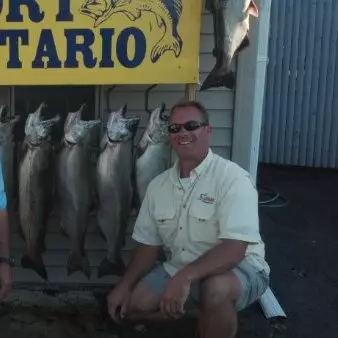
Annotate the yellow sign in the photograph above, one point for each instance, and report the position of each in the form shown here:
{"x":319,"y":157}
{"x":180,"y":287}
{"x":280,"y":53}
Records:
{"x":45,"y":42}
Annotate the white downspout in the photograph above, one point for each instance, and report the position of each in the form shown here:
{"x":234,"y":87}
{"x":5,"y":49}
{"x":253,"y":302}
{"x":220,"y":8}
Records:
{"x":250,"y":90}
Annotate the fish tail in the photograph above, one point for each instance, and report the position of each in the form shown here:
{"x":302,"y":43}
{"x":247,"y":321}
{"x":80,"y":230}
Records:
{"x":36,"y":264}
{"x":167,"y":43}
{"x":78,"y":262}
{"x":216,"y":79}
{"x":111,"y":268}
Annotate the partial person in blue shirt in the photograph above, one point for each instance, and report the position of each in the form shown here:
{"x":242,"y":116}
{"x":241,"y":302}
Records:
{"x":5,"y":260}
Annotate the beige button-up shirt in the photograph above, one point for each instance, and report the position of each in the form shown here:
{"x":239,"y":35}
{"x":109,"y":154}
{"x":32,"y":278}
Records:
{"x":221,"y":203}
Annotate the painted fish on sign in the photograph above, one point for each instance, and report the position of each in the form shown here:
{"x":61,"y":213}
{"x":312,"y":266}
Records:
{"x":97,"y":34}
{"x":46,"y":48}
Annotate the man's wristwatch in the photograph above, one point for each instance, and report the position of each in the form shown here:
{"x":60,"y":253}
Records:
{"x":7,"y":260}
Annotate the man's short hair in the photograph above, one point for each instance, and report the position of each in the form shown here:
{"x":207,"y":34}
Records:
{"x":195,"y":104}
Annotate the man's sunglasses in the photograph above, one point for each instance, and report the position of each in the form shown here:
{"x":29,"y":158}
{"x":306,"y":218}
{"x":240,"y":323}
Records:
{"x":188,"y":126}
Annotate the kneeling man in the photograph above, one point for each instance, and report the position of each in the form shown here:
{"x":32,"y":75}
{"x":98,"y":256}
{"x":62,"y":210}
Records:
{"x":204,"y":213}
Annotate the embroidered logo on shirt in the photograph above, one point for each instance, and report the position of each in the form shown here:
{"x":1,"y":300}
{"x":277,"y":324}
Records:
{"x":205,"y":198}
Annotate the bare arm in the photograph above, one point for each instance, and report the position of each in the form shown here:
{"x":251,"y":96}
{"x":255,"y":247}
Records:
{"x":142,"y":261}
{"x":220,"y":259}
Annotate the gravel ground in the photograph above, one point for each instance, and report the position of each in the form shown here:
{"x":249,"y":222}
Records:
{"x":302,"y":249}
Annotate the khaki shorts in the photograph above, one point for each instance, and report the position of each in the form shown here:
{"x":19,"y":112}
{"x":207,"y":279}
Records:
{"x":253,"y":283}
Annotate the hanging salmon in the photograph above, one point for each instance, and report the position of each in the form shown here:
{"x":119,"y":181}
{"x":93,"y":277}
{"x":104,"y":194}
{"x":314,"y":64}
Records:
{"x":153,"y":152}
{"x":231,"y":28}
{"x":74,"y":188}
{"x":115,"y":191}
{"x":35,"y":188}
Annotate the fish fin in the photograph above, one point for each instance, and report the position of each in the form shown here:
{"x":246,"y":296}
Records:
{"x":109,"y":268}
{"x":78,"y":262}
{"x":216,"y":79}
{"x":253,"y":9}
{"x":178,"y":7}
{"x":244,"y":44}
{"x":35,"y":264}
{"x":168,"y":42}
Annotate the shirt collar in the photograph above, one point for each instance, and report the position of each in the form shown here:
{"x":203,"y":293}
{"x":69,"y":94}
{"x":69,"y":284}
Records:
{"x":196,"y":172}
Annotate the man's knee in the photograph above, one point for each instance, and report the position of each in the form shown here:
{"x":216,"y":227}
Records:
{"x":219,"y":290}
{"x":143,"y":299}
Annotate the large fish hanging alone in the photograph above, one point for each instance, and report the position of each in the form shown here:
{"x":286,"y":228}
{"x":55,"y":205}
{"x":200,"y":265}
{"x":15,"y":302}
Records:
{"x":153,"y":152}
{"x":114,"y":170}
{"x":231,"y":28}
{"x":74,"y":188}
{"x":7,"y":151}
{"x":35,"y":188}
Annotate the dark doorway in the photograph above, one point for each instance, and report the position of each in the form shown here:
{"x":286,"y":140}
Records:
{"x":59,"y":99}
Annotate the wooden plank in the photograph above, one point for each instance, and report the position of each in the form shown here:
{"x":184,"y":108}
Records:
{"x":55,"y":241}
{"x":5,"y":95}
{"x":58,"y":275}
{"x":58,"y":258}
{"x":190,"y":92}
{"x":136,"y":100}
{"x":163,"y":88}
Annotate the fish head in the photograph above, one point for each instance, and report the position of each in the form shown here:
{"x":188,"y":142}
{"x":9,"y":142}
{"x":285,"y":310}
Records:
{"x":116,"y":115}
{"x":237,"y":25}
{"x":76,"y":129}
{"x":99,"y":10}
{"x":157,"y":129}
{"x":37,"y":130}
{"x":71,"y":119}
{"x":3,"y":113}
{"x":6,"y":120}
{"x":79,"y":131}
{"x":121,"y":128}
{"x":7,"y":123}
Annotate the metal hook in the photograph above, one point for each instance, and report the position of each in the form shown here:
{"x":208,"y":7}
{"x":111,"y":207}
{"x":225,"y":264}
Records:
{"x":147,"y":98}
{"x":109,"y":90}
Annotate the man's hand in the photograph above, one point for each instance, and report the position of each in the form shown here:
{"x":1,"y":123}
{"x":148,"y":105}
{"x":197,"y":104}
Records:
{"x":175,"y":296}
{"x":5,"y":281}
{"x":118,"y":302}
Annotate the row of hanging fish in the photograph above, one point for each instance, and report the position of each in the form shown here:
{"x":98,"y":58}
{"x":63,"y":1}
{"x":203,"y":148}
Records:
{"x":231,"y":19}
{"x":122,"y":172}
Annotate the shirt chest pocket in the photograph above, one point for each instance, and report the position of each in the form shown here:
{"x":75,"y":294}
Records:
{"x":203,"y":225}
{"x":166,"y":221}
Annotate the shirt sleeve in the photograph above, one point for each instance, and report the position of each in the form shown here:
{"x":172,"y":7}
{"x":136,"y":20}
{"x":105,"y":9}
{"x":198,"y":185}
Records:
{"x":238,"y":212}
{"x":145,"y":229}
{"x":3,"y":197}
